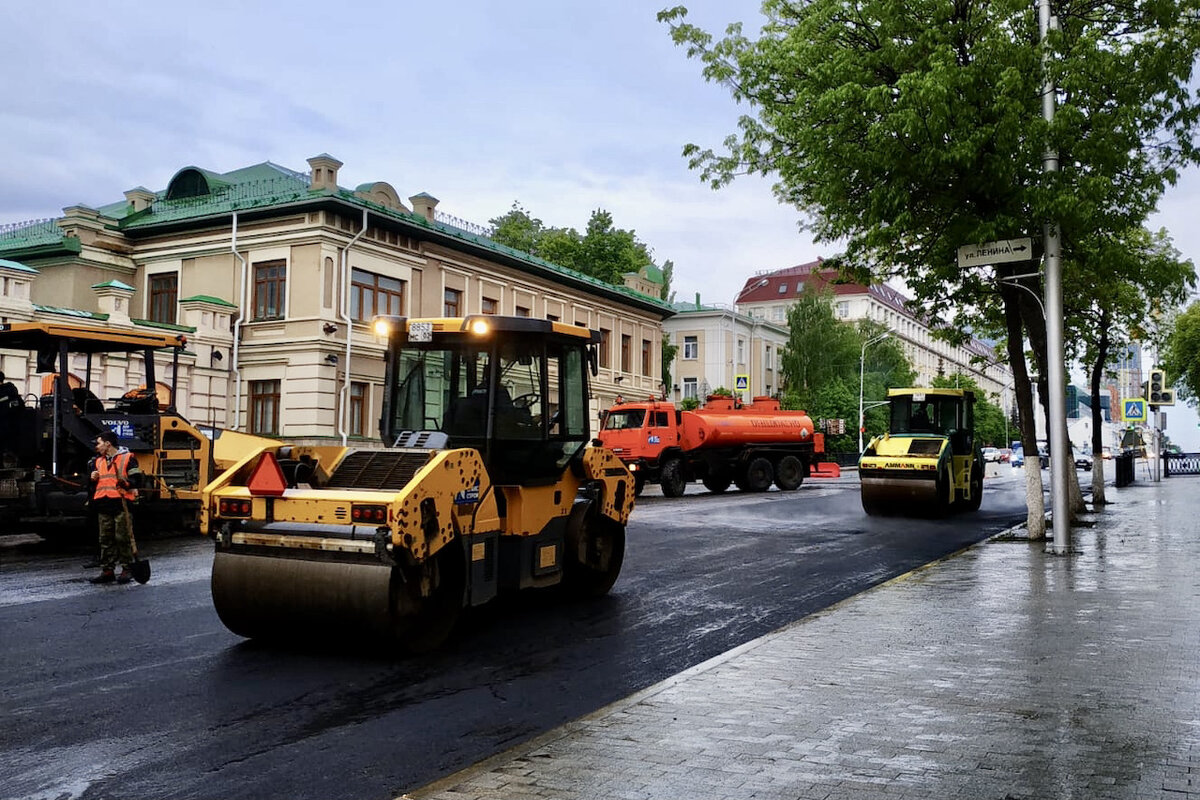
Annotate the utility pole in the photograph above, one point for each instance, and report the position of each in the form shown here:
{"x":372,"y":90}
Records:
{"x":1060,"y":457}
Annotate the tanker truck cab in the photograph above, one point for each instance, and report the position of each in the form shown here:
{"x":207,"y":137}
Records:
{"x":639,"y":434}
{"x":928,"y":461}
{"x":487,"y":483}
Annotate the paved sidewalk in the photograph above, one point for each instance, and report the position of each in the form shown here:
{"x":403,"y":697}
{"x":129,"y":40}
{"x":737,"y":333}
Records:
{"x":1002,"y":672}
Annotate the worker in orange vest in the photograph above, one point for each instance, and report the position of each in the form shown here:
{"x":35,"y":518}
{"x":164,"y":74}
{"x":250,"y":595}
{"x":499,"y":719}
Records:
{"x":117,"y":477}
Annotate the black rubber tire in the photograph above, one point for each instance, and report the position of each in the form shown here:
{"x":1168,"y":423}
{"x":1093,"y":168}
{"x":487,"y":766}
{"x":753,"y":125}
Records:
{"x":671,"y":479}
{"x":639,"y":483}
{"x":594,"y":557}
{"x":757,"y":475}
{"x":789,"y":473}
{"x":424,"y":623}
{"x":944,"y":498}
{"x":717,"y":483}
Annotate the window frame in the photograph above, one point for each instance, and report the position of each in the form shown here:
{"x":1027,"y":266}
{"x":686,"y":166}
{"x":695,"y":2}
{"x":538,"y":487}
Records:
{"x":163,"y":299}
{"x":265,"y":284}
{"x":359,"y":289}
{"x":265,"y":400}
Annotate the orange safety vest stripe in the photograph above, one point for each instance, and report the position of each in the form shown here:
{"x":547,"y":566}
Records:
{"x":110,"y":476}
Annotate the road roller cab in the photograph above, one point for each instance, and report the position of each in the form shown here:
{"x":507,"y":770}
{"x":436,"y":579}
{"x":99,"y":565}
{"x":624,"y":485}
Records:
{"x":928,"y":461}
{"x":487,"y":482}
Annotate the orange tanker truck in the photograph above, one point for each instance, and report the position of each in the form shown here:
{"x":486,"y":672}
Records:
{"x":751,"y":445}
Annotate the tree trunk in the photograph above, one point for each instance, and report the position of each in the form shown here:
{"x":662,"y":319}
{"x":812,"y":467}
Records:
{"x":1098,"y":498}
{"x":1035,"y":522}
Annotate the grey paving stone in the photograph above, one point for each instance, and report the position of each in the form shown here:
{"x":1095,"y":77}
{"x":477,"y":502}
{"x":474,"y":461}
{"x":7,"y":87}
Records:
{"x":1003,"y":672}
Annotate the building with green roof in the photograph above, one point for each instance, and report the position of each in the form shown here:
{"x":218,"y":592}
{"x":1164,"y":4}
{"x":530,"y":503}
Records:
{"x":274,"y":275}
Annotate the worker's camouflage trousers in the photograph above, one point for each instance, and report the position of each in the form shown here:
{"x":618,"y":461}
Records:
{"x":115,"y":543}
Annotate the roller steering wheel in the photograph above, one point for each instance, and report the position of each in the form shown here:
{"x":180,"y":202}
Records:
{"x":525,"y":400}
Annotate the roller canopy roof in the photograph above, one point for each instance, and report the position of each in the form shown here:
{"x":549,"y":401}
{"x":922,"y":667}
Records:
{"x":82,"y":338}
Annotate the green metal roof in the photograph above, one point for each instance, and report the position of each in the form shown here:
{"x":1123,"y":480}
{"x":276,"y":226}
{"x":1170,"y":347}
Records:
{"x":70,"y":312}
{"x":6,"y":264}
{"x":267,"y":186}
{"x":113,"y":284}
{"x":207,"y":298}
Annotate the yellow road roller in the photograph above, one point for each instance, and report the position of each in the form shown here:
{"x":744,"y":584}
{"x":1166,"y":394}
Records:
{"x":928,"y":462}
{"x":487,"y":482}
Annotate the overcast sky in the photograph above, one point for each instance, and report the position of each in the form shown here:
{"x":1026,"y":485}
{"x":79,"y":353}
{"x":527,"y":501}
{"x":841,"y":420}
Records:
{"x":563,"y":107}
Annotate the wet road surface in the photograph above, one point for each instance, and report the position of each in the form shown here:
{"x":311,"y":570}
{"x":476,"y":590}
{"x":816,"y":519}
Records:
{"x":139,"y":691}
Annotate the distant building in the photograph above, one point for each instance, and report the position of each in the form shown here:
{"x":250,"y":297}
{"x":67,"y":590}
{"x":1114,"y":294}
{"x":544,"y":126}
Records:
{"x":716,"y":346}
{"x":767,"y":297}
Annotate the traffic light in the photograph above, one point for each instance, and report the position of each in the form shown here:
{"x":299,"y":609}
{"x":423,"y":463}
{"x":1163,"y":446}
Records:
{"x":1157,"y":393}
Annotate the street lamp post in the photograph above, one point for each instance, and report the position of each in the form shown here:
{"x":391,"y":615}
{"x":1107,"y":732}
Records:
{"x":862,"y":364}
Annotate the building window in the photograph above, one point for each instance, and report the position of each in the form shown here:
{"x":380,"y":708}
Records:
{"x":767,"y":363}
{"x":488,"y":305}
{"x":626,"y":352}
{"x":358,"y":407}
{"x":552,"y":317}
{"x":164,"y":291}
{"x":777,"y":315}
{"x":270,"y":281}
{"x":691,"y":348}
{"x":741,"y":350}
{"x":783,"y":288}
{"x":453,"y":303}
{"x":691,"y":388}
{"x":605,"y":344}
{"x":843,"y":308}
{"x":521,"y":311}
{"x":264,"y":407}
{"x":646,"y":351}
{"x":372,"y":294}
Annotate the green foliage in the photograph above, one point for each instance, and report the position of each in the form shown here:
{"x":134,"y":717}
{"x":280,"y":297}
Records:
{"x":689,"y":403}
{"x":1181,"y":356}
{"x":603,"y":251}
{"x":906,"y":128}
{"x":668,"y":357}
{"x":721,"y":391}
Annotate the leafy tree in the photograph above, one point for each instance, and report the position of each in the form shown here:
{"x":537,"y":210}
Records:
{"x":824,"y":355}
{"x":669,"y":351}
{"x":907,"y":128}
{"x":1181,"y":356}
{"x":603,"y":251}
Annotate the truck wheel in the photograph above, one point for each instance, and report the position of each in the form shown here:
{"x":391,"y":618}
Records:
{"x":718,"y":482}
{"x":671,"y":480}
{"x":757,"y":475}
{"x":789,"y":474}
{"x":594,"y":557}
{"x":639,"y":483}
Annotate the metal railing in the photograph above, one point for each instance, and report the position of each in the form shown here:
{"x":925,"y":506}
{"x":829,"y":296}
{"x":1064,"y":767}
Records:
{"x":1181,"y":464}
{"x":31,"y":229}
{"x":463,"y":225}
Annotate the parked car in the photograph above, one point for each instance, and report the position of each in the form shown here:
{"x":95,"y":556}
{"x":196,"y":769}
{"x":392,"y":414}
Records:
{"x":1083,"y":461}
{"x":991,"y":454}
{"x":1004,"y":455}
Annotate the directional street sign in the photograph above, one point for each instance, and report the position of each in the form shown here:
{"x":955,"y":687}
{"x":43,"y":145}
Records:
{"x":1133,"y":409}
{"x":1005,"y":250}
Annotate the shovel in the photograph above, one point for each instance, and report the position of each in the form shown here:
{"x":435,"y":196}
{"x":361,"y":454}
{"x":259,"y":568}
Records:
{"x":140,"y":566}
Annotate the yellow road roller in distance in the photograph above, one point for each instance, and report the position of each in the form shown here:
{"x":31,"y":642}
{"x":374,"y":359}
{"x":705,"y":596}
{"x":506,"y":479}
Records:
{"x":487,"y":482}
{"x":928,"y":462}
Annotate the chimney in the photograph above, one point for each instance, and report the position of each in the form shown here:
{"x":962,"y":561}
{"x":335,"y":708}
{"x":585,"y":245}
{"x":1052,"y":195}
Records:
{"x":423,"y":205}
{"x":140,"y":198}
{"x":324,"y":172}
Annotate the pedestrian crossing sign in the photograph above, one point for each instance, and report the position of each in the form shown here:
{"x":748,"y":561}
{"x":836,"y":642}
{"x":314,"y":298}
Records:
{"x":741,"y":383}
{"x":1133,"y":409}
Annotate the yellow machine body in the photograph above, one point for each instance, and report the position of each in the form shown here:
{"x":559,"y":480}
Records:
{"x":928,"y":462}
{"x":390,"y":544}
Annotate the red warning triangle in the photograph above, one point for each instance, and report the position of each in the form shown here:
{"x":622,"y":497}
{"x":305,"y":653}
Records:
{"x":267,"y":478}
